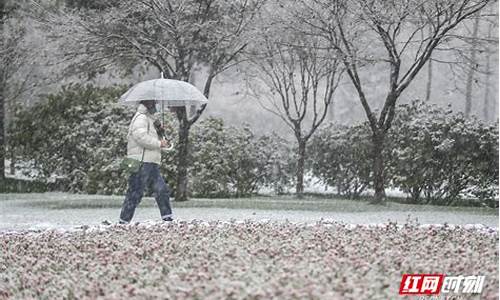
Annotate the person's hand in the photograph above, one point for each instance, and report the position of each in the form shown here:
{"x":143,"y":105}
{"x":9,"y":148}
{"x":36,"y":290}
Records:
{"x":164,"y":144}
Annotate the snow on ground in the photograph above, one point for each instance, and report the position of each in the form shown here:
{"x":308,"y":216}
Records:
{"x":56,"y":251}
{"x":66,"y":218}
{"x":240,"y":260}
{"x":15,"y":215}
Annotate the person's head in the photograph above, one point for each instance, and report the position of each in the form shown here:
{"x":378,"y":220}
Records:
{"x":150,"y":105}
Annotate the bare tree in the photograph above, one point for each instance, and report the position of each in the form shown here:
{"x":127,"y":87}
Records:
{"x":354,"y":28}
{"x":467,"y":55}
{"x":174,"y":37}
{"x":301,"y":75}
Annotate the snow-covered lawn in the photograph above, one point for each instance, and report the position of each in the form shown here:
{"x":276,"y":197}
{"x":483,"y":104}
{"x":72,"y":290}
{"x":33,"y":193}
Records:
{"x":52,"y":246}
{"x":59,"y":210}
{"x":239,"y":260}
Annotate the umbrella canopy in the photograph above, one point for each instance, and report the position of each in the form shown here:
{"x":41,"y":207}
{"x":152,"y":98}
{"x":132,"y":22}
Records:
{"x":171,"y":92}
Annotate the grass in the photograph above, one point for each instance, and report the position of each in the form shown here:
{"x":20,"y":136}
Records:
{"x":309,"y":203}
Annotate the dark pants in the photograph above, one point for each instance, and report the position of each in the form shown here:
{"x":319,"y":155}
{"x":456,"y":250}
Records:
{"x":147,"y":176}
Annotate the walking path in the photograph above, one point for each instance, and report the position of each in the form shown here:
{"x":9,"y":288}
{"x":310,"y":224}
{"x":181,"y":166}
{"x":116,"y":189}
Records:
{"x":17,"y":215}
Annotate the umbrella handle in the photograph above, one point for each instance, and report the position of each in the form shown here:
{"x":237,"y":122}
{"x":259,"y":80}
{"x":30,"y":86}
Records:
{"x":169,"y":148}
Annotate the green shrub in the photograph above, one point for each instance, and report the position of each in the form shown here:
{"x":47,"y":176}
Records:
{"x":230,"y":161}
{"x":341,"y":157}
{"x":432,"y":154}
{"x":79,"y":137}
{"x":12,"y":185}
{"x":75,"y":135}
{"x":444,"y":156}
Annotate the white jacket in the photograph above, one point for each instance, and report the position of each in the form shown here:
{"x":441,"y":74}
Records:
{"x":142,"y":137}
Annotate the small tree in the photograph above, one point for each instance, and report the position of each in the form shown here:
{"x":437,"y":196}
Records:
{"x":301,"y":75}
{"x":407,"y":31}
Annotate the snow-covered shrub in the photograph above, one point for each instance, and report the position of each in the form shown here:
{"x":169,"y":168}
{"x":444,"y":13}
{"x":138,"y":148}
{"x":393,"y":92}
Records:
{"x":443,"y":155}
{"x":79,"y":136}
{"x":233,"y":161}
{"x":209,"y":169}
{"x":247,"y":161}
{"x":279,"y":163}
{"x":412,"y":132}
{"x":341,"y":157}
{"x":434,"y":155}
{"x":76,"y":134}
{"x":15,"y":185}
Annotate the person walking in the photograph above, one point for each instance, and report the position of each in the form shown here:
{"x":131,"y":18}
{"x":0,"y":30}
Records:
{"x":144,"y":144}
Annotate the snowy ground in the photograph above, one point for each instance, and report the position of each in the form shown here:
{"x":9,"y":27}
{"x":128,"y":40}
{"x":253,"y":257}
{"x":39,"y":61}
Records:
{"x":57,"y":210}
{"x":256,"y":255}
{"x":241,"y":260}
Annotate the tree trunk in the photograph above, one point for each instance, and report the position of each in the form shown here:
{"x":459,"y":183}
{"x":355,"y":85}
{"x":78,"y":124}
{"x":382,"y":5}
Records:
{"x":486,"y":104}
{"x":2,"y":130}
{"x":3,"y":12}
{"x":472,"y":69}
{"x":378,"y":139}
{"x":299,"y":188}
{"x":12,"y":165}
{"x":428,"y":87}
{"x":181,"y":192}
{"x":11,"y":153}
